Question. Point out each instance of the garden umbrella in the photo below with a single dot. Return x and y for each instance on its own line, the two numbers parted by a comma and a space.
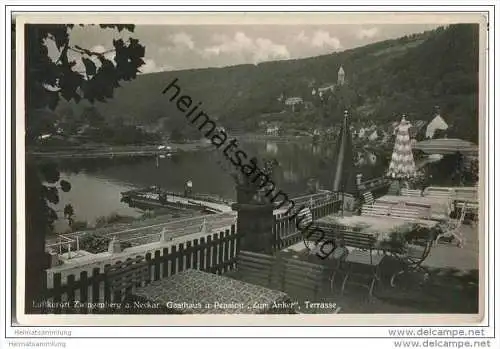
402, 166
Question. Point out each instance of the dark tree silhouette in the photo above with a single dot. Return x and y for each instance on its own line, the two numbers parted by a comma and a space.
46, 82
69, 212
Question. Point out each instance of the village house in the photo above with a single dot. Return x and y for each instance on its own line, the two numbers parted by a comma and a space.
330, 87
294, 103
272, 130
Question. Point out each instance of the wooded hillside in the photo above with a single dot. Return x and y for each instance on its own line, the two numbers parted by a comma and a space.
409, 75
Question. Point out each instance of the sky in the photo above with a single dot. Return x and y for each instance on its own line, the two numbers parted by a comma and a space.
177, 47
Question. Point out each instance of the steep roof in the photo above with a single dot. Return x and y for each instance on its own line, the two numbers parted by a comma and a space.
437, 123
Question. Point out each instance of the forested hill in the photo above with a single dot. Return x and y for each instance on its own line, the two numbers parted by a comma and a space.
409, 75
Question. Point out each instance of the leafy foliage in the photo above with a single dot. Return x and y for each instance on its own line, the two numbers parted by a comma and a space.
69, 212
97, 244
48, 81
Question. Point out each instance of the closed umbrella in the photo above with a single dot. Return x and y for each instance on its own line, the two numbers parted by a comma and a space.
345, 177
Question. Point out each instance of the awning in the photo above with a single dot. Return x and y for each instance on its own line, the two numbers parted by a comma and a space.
446, 146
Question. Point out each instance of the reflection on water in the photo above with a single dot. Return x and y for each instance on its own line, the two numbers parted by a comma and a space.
92, 196
271, 148
97, 183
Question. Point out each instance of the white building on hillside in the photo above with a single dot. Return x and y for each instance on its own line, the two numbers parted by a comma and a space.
437, 123
294, 102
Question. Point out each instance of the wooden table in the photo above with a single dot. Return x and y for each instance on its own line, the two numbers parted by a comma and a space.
197, 292
440, 207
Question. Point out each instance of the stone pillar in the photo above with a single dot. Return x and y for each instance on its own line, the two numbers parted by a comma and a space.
255, 222
53, 258
164, 235
114, 246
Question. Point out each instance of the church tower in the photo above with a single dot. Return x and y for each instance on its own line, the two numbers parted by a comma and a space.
341, 76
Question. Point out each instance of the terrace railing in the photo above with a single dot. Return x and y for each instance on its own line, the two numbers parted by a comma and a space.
90, 292
64, 244
285, 228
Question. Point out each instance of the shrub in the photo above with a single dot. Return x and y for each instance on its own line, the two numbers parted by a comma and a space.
97, 244
79, 225
111, 219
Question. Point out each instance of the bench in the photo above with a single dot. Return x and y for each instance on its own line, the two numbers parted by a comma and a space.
300, 279
425, 210
256, 268
439, 192
303, 279
467, 193
123, 277
412, 213
375, 210
411, 192
368, 198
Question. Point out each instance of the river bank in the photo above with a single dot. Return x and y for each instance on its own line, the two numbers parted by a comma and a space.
252, 137
108, 151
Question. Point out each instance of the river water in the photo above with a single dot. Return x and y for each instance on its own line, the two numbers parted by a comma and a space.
97, 183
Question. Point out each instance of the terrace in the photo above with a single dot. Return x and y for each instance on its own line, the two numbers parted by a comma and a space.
408, 252
292, 274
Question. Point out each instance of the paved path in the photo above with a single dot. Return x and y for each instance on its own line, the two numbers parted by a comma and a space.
178, 199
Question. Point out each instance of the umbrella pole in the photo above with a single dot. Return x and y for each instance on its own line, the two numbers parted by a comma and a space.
342, 210
343, 197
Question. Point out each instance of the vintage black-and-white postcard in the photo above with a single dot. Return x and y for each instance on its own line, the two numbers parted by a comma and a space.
284, 168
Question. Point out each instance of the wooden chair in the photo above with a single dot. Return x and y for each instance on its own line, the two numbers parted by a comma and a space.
375, 210
412, 257
305, 217
471, 208
452, 228
122, 278
368, 198
361, 262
